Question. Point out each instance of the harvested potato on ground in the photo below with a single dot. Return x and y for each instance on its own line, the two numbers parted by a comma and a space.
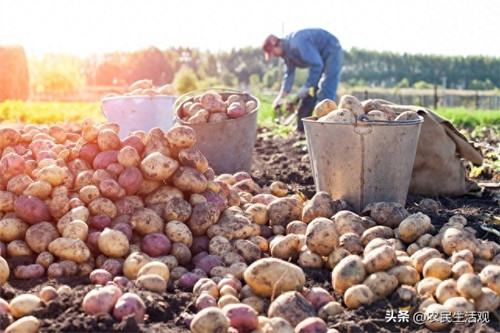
380, 259
291, 306
437, 267
433, 314
4, 271
113, 243
347, 221
420, 257
446, 289
381, 284
69, 249
389, 214
488, 300
348, 272
357, 296
39, 235
284, 210
322, 236
455, 239
272, 276
412, 227
320, 205
210, 319
24, 304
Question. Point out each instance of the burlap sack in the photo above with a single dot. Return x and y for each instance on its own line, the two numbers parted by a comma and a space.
439, 167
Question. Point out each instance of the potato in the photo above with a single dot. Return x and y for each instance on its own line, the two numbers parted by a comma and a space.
446, 289
39, 235
31, 209
434, 315
455, 239
45, 259
324, 107
347, 221
296, 227
284, 210
380, 259
157, 268
388, 214
242, 317
181, 252
113, 243
107, 139
378, 231
19, 183
322, 236
76, 229
420, 257
357, 296
101, 205
12, 228
291, 306
202, 217
247, 249
9, 137
377, 115
488, 300
412, 227
438, 268
69, 249
310, 259
100, 276
101, 301
348, 272
151, 282
18, 248
490, 277
78, 213
460, 268
339, 116
145, 221
40, 189
351, 242
270, 276
24, 304
4, 271
27, 324
318, 297
405, 274
428, 285
335, 257
129, 304
188, 179
133, 263
330, 309
181, 137
285, 247
407, 115
210, 319
156, 166
458, 304
11, 165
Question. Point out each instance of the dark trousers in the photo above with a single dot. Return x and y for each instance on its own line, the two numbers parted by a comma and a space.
306, 107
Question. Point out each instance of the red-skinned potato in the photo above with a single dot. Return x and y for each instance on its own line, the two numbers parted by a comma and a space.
31, 209
130, 304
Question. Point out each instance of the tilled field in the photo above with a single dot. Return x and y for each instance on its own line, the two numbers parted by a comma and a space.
275, 158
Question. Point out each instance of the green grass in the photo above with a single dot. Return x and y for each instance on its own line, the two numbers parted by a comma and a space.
462, 117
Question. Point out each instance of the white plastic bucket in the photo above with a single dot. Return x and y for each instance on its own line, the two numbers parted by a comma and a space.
365, 162
135, 113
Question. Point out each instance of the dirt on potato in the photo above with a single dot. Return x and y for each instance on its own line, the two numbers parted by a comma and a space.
275, 158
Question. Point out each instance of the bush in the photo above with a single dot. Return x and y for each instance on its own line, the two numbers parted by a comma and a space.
185, 81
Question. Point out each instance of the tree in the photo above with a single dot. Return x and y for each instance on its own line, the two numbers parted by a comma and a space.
185, 80
149, 64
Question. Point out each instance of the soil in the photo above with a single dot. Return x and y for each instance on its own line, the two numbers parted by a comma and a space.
275, 158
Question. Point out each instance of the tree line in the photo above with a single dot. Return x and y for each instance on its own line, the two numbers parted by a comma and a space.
190, 68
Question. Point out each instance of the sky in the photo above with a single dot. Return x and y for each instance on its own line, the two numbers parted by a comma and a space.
83, 27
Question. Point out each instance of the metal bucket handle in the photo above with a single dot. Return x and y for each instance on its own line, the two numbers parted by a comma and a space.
181, 99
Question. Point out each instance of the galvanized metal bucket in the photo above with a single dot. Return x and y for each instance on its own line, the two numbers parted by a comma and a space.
227, 145
135, 113
362, 163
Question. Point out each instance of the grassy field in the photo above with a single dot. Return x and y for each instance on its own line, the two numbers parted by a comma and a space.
59, 112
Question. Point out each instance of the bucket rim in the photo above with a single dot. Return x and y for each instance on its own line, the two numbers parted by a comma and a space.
139, 97
314, 119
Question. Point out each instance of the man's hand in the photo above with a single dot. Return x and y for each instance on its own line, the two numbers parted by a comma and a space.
303, 92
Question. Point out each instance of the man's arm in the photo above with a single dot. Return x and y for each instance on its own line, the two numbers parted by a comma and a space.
310, 54
288, 78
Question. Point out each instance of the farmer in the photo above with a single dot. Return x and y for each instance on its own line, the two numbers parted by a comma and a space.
316, 49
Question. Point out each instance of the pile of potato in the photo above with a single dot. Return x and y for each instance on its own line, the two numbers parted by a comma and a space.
146, 87
211, 107
350, 110
148, 211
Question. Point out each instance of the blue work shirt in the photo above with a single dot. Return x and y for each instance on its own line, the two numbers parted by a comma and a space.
308, 48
